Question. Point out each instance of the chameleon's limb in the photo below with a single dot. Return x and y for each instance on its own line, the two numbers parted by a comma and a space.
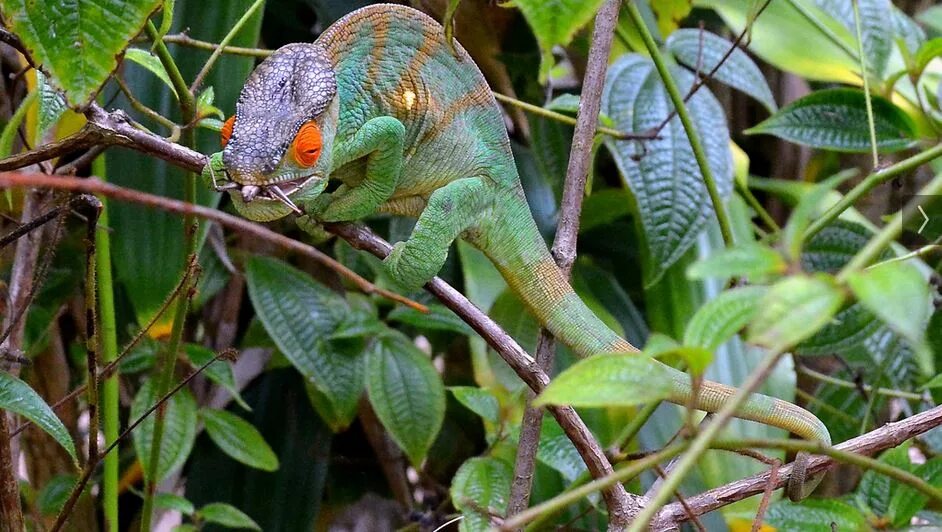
316, 231
214, 172
450, 211
380, 140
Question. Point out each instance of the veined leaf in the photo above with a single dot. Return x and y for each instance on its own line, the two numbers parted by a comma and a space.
300, 315
793, 309
721, 318
77, 44
906, 501
52, 105
220, 372
53, 495
227, 515
751, 260
877, 34
704, 50
481, 486
609, 380
150, 62
663, 174
555, 23
172, 501
815, 515
407, 394
179, 429
836, 119
875, 490
239, 439
16, 396
478, 400
899, 295
557, 451
439, 318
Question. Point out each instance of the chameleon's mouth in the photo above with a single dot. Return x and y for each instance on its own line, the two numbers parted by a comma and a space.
279, 192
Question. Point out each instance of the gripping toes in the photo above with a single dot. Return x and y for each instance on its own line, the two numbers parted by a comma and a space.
410, 267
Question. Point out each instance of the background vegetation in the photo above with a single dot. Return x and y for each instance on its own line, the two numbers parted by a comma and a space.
774, 250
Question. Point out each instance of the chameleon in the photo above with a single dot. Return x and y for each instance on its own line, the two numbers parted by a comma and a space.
383, 104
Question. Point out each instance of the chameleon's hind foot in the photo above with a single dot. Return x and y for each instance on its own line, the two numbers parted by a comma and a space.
409, 269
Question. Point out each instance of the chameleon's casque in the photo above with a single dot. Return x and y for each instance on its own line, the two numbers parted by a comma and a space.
410, 127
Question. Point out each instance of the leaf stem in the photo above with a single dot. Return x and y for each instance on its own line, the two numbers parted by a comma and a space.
878, 177
222, 44
183, 39
187, 101
692, 136
866, 387
866, 82
566, 119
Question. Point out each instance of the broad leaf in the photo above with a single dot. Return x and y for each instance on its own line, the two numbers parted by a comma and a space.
751, 260
300, 315
662, 173
878, 36
227, 515
407, 394
51, 499
721, 318
172, 501
899, 295
149, 61
557, 451
77, 44
16, 396
793, 309
481, 486
704, 50
438, 318
876, 490
555, 23
815, 515
670, 13
906, 500
609, 380
52, 105
793, 235
239, 439
179, 429
836, 119
478, 400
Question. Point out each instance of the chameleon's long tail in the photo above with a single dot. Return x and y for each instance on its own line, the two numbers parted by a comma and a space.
515, 245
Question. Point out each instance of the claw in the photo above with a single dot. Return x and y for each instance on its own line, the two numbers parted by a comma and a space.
279, 194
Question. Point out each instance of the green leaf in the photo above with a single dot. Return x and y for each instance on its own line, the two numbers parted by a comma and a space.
52, 497
77, 44
172, 501
719, 319
906, 500
220, 372
793, 236
672, 201
479, 401
299, 316
793, 309
227, 516
149, 61
179, 429
439, 318
16, 396
481, 486
899, 295
557, 451
52, 105
752, 260
815, 515
670, 13
205, 107
876, 490
337, 420
609, 380
836, 119
555, 23
239, 439
704, 50
927, 52
407, 394
877, 33
13, 125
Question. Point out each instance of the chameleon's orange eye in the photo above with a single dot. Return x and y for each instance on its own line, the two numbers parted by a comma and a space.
307, 144
226, 131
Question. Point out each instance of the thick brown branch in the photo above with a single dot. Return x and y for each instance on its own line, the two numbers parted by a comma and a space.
885, 437
83, 139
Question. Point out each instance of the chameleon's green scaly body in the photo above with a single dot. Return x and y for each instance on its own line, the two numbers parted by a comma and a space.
414, 130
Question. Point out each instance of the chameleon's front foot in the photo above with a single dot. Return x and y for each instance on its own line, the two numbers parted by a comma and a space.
314, 229
410, 268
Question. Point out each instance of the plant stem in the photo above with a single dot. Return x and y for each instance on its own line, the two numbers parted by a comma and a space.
692, 136
868, 183
187, 101
827, 32
847, 384
185, 40
753, 202
566, 119
222, 44
109, 353
866, 82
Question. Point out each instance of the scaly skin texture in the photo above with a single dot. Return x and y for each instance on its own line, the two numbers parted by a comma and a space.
413, 129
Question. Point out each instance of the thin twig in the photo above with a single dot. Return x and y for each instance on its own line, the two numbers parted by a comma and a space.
95, 186
566, 119
185, 40
564, 249
222, 44
766, 497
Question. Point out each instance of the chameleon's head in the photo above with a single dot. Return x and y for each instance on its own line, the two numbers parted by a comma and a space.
276, 148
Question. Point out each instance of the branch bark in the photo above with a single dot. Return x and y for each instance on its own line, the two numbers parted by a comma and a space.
564, 251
